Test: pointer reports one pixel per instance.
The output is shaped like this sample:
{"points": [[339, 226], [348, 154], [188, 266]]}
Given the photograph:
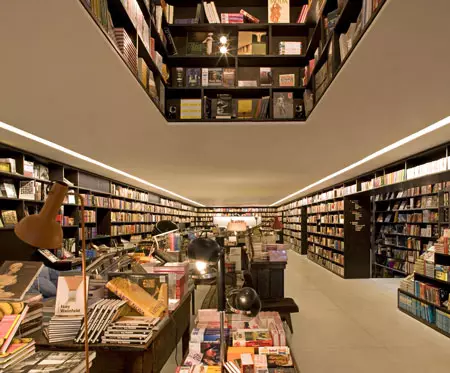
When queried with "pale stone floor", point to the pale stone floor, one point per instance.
{"points": [[353, 326]]}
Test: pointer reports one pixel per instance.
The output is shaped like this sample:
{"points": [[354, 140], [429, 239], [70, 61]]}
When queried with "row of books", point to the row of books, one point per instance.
{"points": [[131, 217], [326, 219], [333, 267], [331, 231], [30, 169], [427, 216], [329, 242], [327, 254], [130, 229], [226, 77], [410, 229], [326, 207]]}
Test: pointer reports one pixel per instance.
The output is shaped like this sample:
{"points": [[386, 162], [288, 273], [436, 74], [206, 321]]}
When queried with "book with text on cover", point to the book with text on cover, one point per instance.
{"points": [[69, 295]]}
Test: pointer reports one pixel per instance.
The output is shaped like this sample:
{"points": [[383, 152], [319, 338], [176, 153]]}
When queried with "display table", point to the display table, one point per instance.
{"points": [[268, 278], [147, 358]]}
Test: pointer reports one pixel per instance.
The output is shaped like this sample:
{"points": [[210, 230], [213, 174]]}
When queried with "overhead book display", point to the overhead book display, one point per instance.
{"points": [[154, 41]]}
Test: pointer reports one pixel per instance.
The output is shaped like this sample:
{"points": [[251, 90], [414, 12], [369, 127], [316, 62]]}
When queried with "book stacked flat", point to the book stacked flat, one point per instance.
{"points": [[100, 315], [33, 319], [290, 48], [52, 361], [130, 330], [127, 48], [18, 350], [232, 18], [63, 328]]}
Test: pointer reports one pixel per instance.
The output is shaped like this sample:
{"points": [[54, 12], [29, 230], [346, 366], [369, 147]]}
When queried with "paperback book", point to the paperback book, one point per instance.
{"points": [[215, 77], [193, 77], [70, 295], [265, 77], [278, 11], [17, 278], [224, 106], [283, 105]]}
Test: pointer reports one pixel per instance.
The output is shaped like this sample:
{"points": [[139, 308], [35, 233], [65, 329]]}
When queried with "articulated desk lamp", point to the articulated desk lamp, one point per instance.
{"points": [[206, 252], [43, 232]]}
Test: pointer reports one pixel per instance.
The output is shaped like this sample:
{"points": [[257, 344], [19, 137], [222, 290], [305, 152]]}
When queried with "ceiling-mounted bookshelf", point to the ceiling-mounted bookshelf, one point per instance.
{"points": [[276, 66]]}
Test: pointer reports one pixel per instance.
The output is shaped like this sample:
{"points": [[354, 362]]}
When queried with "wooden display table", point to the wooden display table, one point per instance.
{"points": [[147, 358]]}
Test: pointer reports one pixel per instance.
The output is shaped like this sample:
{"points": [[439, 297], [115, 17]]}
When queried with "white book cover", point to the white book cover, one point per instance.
{"points": [[204, 77], [278, 11], [70, 295], [214, 9]]}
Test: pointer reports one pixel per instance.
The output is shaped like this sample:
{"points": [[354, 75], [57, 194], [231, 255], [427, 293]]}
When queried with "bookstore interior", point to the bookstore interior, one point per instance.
{"points": [[232, 106]]}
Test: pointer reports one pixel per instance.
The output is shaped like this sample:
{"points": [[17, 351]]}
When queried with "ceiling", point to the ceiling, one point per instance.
{"points": [[61, 80]]}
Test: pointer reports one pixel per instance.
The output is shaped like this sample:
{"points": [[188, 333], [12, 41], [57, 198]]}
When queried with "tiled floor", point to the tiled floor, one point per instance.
{"points": [[353, 326]]}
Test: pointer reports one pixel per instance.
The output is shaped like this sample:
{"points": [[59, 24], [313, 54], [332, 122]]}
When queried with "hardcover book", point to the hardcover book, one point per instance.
{"points": [[178, 78], [193, 77], [16, 278], [287, 80], [8, 165], [224, 106], [69, 295], [215, 77], [229, 77], [8, 190], [147, 293], [278, 11], [265, 77], [252, 43], [283, 105], [245, 108]]}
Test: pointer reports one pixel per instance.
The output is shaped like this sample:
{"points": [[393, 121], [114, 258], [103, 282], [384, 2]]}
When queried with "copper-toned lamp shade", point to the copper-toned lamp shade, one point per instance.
{"points": [[42, 230], [277, 225], [237, 226]]}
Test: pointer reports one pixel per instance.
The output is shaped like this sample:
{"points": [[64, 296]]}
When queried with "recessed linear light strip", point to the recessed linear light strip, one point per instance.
{"points": [[397, 144], [50, 144]]}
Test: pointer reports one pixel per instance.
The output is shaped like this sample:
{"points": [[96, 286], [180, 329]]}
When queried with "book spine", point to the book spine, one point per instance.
{"points": [[214, 9], [249, 17], [204, 77], [170, 41]]}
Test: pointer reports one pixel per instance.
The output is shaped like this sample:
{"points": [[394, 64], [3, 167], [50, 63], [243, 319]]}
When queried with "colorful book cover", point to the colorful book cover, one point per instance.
{"points": [[278, 11], [70, 296], [215, 77], [16, 278], [229, 76], [224, 106], [287, 80]]}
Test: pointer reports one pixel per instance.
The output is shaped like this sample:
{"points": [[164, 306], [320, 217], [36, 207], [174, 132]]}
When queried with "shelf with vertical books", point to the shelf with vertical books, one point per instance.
{"points": [[107, 202]]}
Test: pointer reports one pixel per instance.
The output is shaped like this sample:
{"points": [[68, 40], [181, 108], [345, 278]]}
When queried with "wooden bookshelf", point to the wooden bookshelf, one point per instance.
{"points": [[139, 209], [319, 43]]}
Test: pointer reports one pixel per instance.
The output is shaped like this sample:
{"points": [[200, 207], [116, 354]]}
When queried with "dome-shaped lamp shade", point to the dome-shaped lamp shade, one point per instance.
{"points": [[164, 226], [245, 301], [42, 230], [204, 250], [277, 225], [237, 226]]}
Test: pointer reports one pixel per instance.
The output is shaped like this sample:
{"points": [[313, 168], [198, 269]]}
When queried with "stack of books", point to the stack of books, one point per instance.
{"points": [[290, 48], [63, 328], [303, 13], [211, 12], [127, 48], [232, 18], [33, 320], [17, 352], [130, 330]]}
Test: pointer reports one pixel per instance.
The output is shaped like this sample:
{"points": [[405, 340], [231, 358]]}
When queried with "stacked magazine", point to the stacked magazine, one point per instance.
{"points": [[130, 330]]}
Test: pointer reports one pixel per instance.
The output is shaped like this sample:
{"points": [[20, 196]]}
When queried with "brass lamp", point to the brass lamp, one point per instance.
{"points": [[237, 226], [43, 232]]}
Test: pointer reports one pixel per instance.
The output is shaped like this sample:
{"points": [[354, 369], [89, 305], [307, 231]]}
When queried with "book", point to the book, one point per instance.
{"points": [[265, 77], [232, 18], [214, 11], [8, 190], [210, 16], [204, 76], [247, 83], [290, 48], [70, 295], [41, 172], [198, 13], [152, 85], [9, 218], [215, 76], [190, 108], [252, 43], [194, 43], [8, 165], [28, 168], [245, 108], [178, 77], [278, 11], [250, 18], [252, 338], [9, 325], [286, 80], [27, 190], [229, 76], [224, 106], [283, 105], [143, 292], [193, 77]]}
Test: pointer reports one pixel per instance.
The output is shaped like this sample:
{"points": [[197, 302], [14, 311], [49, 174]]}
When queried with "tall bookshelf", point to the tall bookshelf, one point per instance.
{"points": [[113, 209], [294, 223], [205, 215], [408, 210], [157, 44]]}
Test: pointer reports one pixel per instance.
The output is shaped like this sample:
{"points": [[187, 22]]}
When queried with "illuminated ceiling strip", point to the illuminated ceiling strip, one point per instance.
{"points": [[422, 132], [50, 144]]}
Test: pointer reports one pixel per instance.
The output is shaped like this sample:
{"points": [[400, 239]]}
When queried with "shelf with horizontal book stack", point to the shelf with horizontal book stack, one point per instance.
{"points": [[424, 295], [24, 182]]}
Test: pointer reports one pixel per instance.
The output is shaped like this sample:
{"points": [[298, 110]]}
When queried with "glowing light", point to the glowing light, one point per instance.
{"points": [[223, 39], [223, 49]]}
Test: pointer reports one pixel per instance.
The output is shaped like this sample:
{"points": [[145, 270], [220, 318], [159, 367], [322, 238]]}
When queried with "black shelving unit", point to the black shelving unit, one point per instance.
{"points": [[316, 42], [152, 208]]}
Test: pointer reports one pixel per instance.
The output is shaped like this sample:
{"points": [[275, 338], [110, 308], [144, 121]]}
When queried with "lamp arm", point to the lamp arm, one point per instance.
{"points": [[83, 273]]}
